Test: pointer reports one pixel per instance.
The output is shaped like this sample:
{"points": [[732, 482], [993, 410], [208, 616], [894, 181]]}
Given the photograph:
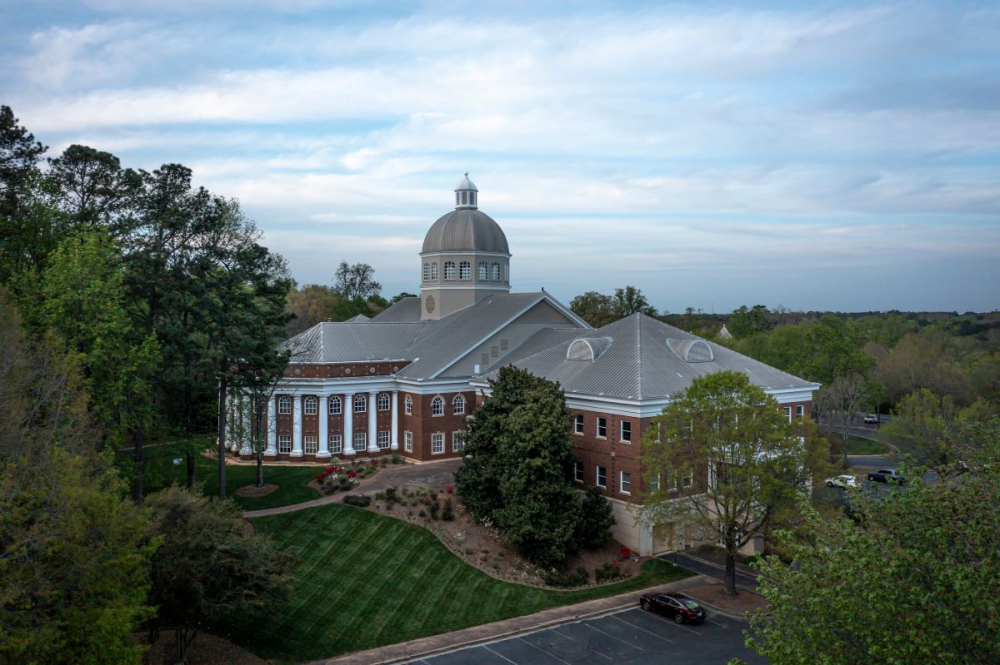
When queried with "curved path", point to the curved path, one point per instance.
{"points": [[433, 474]]}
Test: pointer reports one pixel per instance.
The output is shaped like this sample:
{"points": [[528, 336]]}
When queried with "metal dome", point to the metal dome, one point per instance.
{"points": [[465, 230]]}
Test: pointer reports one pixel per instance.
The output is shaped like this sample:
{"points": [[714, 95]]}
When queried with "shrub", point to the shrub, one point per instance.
{"points": [[434, 508], [447, 513], [608, 571], [396, 459], [566, 578], [422, 514], [359, 500], [390, 495]]}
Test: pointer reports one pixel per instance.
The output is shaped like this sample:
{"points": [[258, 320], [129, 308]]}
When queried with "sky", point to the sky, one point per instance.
{"points": [[814, 155]]}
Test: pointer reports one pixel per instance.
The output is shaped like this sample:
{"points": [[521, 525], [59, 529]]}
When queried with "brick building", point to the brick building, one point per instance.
{"points": [[405, 381]]}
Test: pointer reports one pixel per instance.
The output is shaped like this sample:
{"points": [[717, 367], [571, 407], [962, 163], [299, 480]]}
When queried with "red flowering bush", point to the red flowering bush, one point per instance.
{"points": [[321, 475], [352, 473], [449, 490], [625, 553]]}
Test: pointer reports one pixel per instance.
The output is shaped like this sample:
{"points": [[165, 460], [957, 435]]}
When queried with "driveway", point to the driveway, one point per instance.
{"points": [[628, 637]]}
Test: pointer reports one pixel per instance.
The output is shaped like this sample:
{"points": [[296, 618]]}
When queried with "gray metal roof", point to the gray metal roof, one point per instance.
{"points": [[360, 318], [443, 342], [433, 346], [639, 363], [353, 342], [406, 310], [465, 230]]}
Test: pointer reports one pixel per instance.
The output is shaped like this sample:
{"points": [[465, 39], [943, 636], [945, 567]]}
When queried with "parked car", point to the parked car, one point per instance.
{"points": [[843, 482], [677, 606], [885, 475], [871, 419]]}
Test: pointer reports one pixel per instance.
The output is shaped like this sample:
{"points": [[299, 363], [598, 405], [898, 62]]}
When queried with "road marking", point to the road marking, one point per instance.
{"points": [[648, 632], [487, 647]]}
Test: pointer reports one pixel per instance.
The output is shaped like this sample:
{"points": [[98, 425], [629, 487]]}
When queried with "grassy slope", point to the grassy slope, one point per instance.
{"points": [[363, 580]]}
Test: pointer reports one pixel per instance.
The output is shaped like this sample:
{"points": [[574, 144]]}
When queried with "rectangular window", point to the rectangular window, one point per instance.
{"points": [[504, 345], [437, 444], [284, 443], [625, 483], [383, 439], [800, 411], [654, 484], [360, 440], [602, 428], [284, 405], [310, 406], [334, 407], [788, 413], [602, 477], [309, 444], [627, 431], [578, 472], [408, 442], [457, 441], [687, 480], [578, 424], [336, 444], [495, 351]]}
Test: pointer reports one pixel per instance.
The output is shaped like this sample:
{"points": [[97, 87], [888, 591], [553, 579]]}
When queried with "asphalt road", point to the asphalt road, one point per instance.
{"points": [[709, 570], [629, 637]]}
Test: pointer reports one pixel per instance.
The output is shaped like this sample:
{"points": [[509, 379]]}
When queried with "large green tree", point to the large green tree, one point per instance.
{"points": [[517, 468], [94, 191], [744, 456], [925, 556], [210, 568], [594, 308]]}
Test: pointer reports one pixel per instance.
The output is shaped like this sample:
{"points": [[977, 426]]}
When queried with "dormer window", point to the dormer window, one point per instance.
{"points": [[588, 349], [691, 350]]}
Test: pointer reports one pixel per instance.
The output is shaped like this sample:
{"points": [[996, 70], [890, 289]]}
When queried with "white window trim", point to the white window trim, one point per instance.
{"points": [[408, 405], [384, 439], [621, 483], [310, 441], [408, 441], [284, 439], [579, 425], [360, 404], [433, 436], [597, 477], [577, 472], [599, 435], [621, 431], [437, 400], [284, 405], [455, 438], [459, 400], [383, 399], [310, 406], [336, 406], [336, 447]]}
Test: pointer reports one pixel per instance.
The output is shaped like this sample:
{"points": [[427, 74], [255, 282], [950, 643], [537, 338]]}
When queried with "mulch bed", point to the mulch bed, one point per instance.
{"points": [[711, 594], [207, 649], [252, 491]]}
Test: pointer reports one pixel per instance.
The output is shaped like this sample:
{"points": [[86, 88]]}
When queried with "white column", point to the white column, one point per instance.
{"points": [[324, 421], [394, 436], [373, 422], [272, 427], [348, 412], [297, 426], [246, 417]]}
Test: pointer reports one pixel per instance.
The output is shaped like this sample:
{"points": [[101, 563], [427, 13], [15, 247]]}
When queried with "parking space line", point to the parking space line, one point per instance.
{"points": [[554, 655], [487, 647], [648, 632]]}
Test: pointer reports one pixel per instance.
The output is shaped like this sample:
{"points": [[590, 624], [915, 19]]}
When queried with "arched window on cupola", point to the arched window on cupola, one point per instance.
{"points": [[427, 271], [449, 270], [495, 272], [465, 270], [481, 273]]}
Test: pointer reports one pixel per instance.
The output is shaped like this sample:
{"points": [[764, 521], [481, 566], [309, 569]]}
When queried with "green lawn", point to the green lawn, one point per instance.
{"points": [[857, 445], [160, 472], [364, 580]]}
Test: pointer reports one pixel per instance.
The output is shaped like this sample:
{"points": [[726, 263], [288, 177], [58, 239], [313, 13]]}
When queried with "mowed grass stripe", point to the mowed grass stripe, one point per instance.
{"points": [[364, 580]]}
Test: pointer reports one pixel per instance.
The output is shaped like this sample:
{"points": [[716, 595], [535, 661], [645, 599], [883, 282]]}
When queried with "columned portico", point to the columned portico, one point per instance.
{"points": [[324, 421], [297, 426], [348, 411], [373, 422]]}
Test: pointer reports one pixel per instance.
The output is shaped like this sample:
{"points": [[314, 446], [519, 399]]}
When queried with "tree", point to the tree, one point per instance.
{"points": [[594, 308], [312, 304], [731, 432], [746, 321], [518, 461], [210, 567], [629, 301], [596, 520], [95, 191], [907, 554], [842, 402], [356, 281]]}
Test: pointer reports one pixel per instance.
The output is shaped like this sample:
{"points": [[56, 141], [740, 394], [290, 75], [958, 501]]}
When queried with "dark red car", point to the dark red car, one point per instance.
{"points": [[679, 607]]}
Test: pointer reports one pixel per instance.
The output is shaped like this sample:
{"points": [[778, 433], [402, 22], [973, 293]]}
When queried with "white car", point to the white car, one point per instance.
{"points": [[871, 419], [842, 482]]}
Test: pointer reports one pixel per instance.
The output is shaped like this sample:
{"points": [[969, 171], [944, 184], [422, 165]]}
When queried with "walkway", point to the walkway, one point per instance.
{"points": [[433, 474]]}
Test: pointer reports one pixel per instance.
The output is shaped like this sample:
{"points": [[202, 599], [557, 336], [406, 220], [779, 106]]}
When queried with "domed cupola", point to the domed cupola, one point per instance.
{"points": [[466, 194], [464, 257]]}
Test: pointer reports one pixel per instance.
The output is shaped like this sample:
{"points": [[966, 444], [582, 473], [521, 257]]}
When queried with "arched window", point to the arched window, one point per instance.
{"points": [[360, 404], [408, 405], [481, 273], [284, 404], [437, 407], [449, 270], [464, 195], [457, 201], [310, 406], [383, 402], [459, 404], [472, 198], [427, 271], [335, 406], [465, 270], [495, 270], [506, 270], [434, 271]]}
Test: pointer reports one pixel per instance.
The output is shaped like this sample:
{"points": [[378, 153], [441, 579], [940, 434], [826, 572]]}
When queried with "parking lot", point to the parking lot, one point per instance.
{"points": [[629, 637]]}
